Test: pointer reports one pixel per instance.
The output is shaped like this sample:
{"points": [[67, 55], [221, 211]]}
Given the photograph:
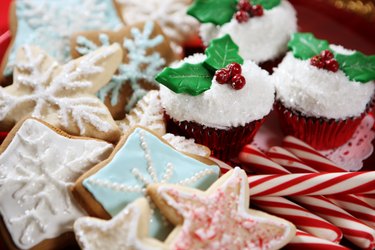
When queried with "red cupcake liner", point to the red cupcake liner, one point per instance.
{"points": [[271, 64], [320, 133], [224, 144], [2, 136]]}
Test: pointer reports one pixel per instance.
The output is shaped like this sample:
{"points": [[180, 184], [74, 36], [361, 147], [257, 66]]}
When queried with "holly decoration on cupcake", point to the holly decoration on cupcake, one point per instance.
{"points": [[356, 66], [222, 63], [206, 11]]}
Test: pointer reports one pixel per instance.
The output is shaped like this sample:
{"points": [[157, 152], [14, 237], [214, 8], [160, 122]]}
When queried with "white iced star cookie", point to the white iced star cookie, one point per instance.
{"points": [[38, 165], [62, 95], [219, 218], [128, 230]]}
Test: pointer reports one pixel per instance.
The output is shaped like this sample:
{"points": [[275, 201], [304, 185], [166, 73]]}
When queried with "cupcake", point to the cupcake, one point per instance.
{"points": [[323, 91], [217, 98], [261, 29]]}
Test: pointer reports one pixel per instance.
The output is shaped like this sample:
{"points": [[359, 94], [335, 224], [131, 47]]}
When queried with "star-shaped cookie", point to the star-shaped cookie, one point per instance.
{"points": [[147, 50], [38, 165], [63, 95], [126, 231], [219, 218], [50, 24]]}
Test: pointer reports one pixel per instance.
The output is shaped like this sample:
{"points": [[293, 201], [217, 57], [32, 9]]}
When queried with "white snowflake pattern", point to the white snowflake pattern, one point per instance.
{"points": [[52, 23], [38, 182], [140, 66], [46, 85]]}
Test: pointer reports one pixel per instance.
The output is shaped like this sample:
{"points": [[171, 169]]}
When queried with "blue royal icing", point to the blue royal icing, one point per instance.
{"points": [[50, 23], [142, 160]]}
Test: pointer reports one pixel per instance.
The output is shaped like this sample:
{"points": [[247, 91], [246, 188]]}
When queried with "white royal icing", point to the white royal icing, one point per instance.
{"points": [[221, 106], [261, 38], [319, 92], [36, 171]]}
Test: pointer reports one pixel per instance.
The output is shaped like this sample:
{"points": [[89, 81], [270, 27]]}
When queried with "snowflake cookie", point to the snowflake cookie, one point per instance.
{"points": [[49, 25], [128, 230], [147, 51], [63, 95], [38, 165], [139, 160], [218, 218]]}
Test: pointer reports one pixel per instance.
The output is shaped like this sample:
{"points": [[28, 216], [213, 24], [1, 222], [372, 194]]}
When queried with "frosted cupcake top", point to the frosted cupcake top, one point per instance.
{"points": [[321, 88], [231, 103], [260, 38]]}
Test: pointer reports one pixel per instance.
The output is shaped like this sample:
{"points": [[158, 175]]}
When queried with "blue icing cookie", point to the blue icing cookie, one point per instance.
{"points": [[50, 23], [144, 159]]}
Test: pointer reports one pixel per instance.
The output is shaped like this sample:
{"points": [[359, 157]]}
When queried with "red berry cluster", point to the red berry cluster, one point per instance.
{"points": [[232, 75], [245, 10], [325, 61]]}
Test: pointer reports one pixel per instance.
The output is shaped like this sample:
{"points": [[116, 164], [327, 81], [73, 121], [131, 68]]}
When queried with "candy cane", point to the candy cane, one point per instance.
{"points": [[302, 218], [309, 155], [354, 230], [306, 241], [368, 198]]}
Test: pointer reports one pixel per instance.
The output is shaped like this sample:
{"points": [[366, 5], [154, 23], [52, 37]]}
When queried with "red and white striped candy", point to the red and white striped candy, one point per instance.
{"points": [[259, 162], [312, 184], [306, 241], [368, 198], [354, 230], [288, 160], [299, 216], [309, 155]]}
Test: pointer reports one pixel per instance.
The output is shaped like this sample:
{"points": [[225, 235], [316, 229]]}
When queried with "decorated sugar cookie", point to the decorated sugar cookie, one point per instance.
{"points": [[126, 231], [139, 160], [38, 164], [49, 25], [147, 51], [63, 95], [219, 218]]}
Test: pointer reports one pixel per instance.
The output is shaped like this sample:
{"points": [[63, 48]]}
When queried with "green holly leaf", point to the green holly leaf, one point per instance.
{"points": [[267, 4], [217, 12], [306, 45], [221, 52], [357, 67], [192, 79]]}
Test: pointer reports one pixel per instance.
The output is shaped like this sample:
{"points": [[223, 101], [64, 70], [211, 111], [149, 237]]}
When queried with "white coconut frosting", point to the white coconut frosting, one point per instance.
{"points": [[261, 38], [221, 106], [319, 92]]}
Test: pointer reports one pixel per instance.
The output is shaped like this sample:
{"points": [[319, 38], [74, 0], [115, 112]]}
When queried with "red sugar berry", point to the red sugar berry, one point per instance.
{"points": [[222, 76], [326, 55], [234, 69], [332, 65], [244, 5], [242, 16], [238, 81], [257, 10], [317, 62]]}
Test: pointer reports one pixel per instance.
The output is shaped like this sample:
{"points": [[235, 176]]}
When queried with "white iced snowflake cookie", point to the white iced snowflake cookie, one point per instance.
{"points": [[38, 165], [260, 38], [318, 92], [219, 218], [63, 95], [170, 14], [221, 106]]}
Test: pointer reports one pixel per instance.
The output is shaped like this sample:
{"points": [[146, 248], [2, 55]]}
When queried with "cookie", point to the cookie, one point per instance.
{"points": [[38, 164], [51, 26], [170, 14], [219, 218], [147, 51], [62, 95], [139, 159], [126, 231]]}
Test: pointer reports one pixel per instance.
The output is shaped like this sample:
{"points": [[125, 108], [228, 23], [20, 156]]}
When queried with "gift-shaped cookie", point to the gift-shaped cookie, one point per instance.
{"points": [[49, 25], [63, 95], [139, 159], [146, 51], [219, 218], [38, 164]]}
